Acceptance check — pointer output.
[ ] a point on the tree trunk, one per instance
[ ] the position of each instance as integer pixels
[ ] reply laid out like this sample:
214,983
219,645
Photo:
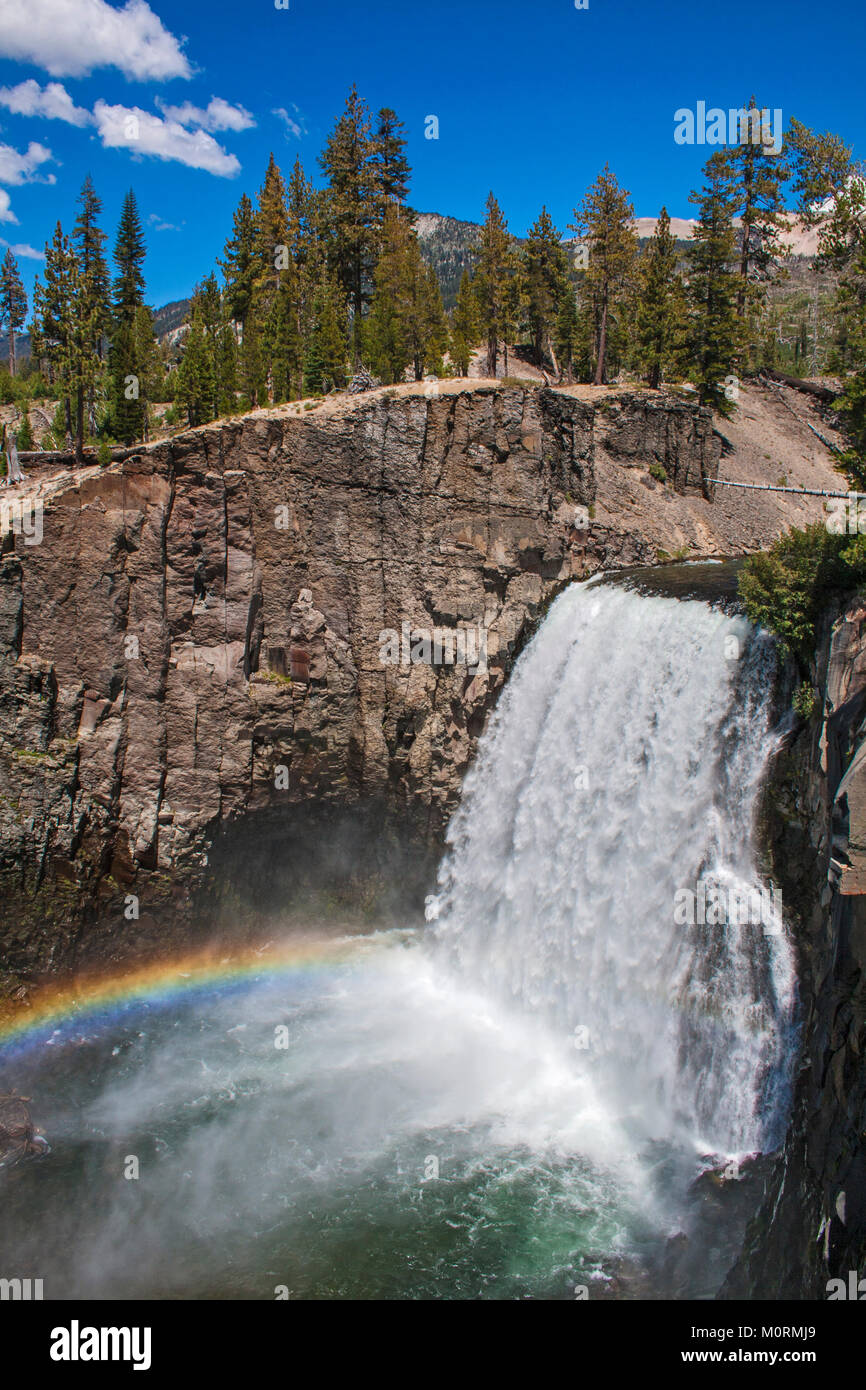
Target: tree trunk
598,379
492,354
79,425
11,350
554,361
744,271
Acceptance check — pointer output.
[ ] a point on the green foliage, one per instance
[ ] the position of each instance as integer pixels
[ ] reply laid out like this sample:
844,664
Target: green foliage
714,327
660,308
544,283
464,326
103,453
657,471
128,342
805,700
13,302
25,433
497,266
604,221
786,588
406,326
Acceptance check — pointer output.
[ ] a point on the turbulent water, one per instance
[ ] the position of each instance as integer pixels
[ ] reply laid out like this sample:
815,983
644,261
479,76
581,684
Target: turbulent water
512,1102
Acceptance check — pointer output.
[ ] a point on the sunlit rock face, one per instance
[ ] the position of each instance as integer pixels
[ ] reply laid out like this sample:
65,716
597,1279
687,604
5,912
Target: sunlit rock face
203,633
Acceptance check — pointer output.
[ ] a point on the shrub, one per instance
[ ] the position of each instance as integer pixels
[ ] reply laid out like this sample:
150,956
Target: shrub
25,434
786,588
805,700
658,471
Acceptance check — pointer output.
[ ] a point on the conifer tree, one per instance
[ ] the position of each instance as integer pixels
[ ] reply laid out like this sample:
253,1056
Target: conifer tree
125,361
54,313
659,309
347,162
307,256
88,241
13,302
567,334
496,266
604,221
196,387
389,165
544,272
406,327
251,368
464,326
326,349
238,262
755,179
713,286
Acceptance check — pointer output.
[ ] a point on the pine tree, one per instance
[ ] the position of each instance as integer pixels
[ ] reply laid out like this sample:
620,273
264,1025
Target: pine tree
389,165
464,326
13,302
713,286
88,241
238,263
406,326
307,256
496,266
604,221
212,309
326,349
251,369
567,335
273,273
347,162
755,179
25,432
658,316
54,313
196,387
125,363
544,273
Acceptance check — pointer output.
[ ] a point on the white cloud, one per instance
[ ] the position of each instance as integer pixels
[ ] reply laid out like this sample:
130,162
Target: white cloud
69,38
159,223
217,115
26,252
140,132
294,127
16,168
6,213
52,101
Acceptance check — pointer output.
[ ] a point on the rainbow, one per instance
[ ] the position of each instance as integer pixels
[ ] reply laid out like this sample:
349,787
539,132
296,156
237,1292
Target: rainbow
61,1009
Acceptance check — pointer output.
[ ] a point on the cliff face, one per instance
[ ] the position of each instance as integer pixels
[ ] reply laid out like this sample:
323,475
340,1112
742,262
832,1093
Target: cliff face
202,635
228,630
812,1224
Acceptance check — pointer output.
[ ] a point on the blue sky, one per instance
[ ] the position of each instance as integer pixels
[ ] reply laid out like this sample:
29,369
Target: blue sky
531,99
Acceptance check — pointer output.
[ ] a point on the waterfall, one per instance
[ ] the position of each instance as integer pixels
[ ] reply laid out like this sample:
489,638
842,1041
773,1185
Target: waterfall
514,1102
618,779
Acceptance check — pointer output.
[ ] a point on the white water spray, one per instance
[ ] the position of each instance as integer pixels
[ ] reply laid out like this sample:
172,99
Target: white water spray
622,765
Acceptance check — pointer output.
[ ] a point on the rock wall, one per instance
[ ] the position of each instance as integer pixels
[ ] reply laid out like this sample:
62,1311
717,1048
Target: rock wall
202,637
812,1224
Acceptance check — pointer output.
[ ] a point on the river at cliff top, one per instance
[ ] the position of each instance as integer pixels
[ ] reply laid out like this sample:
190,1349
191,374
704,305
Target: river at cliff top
516,1101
